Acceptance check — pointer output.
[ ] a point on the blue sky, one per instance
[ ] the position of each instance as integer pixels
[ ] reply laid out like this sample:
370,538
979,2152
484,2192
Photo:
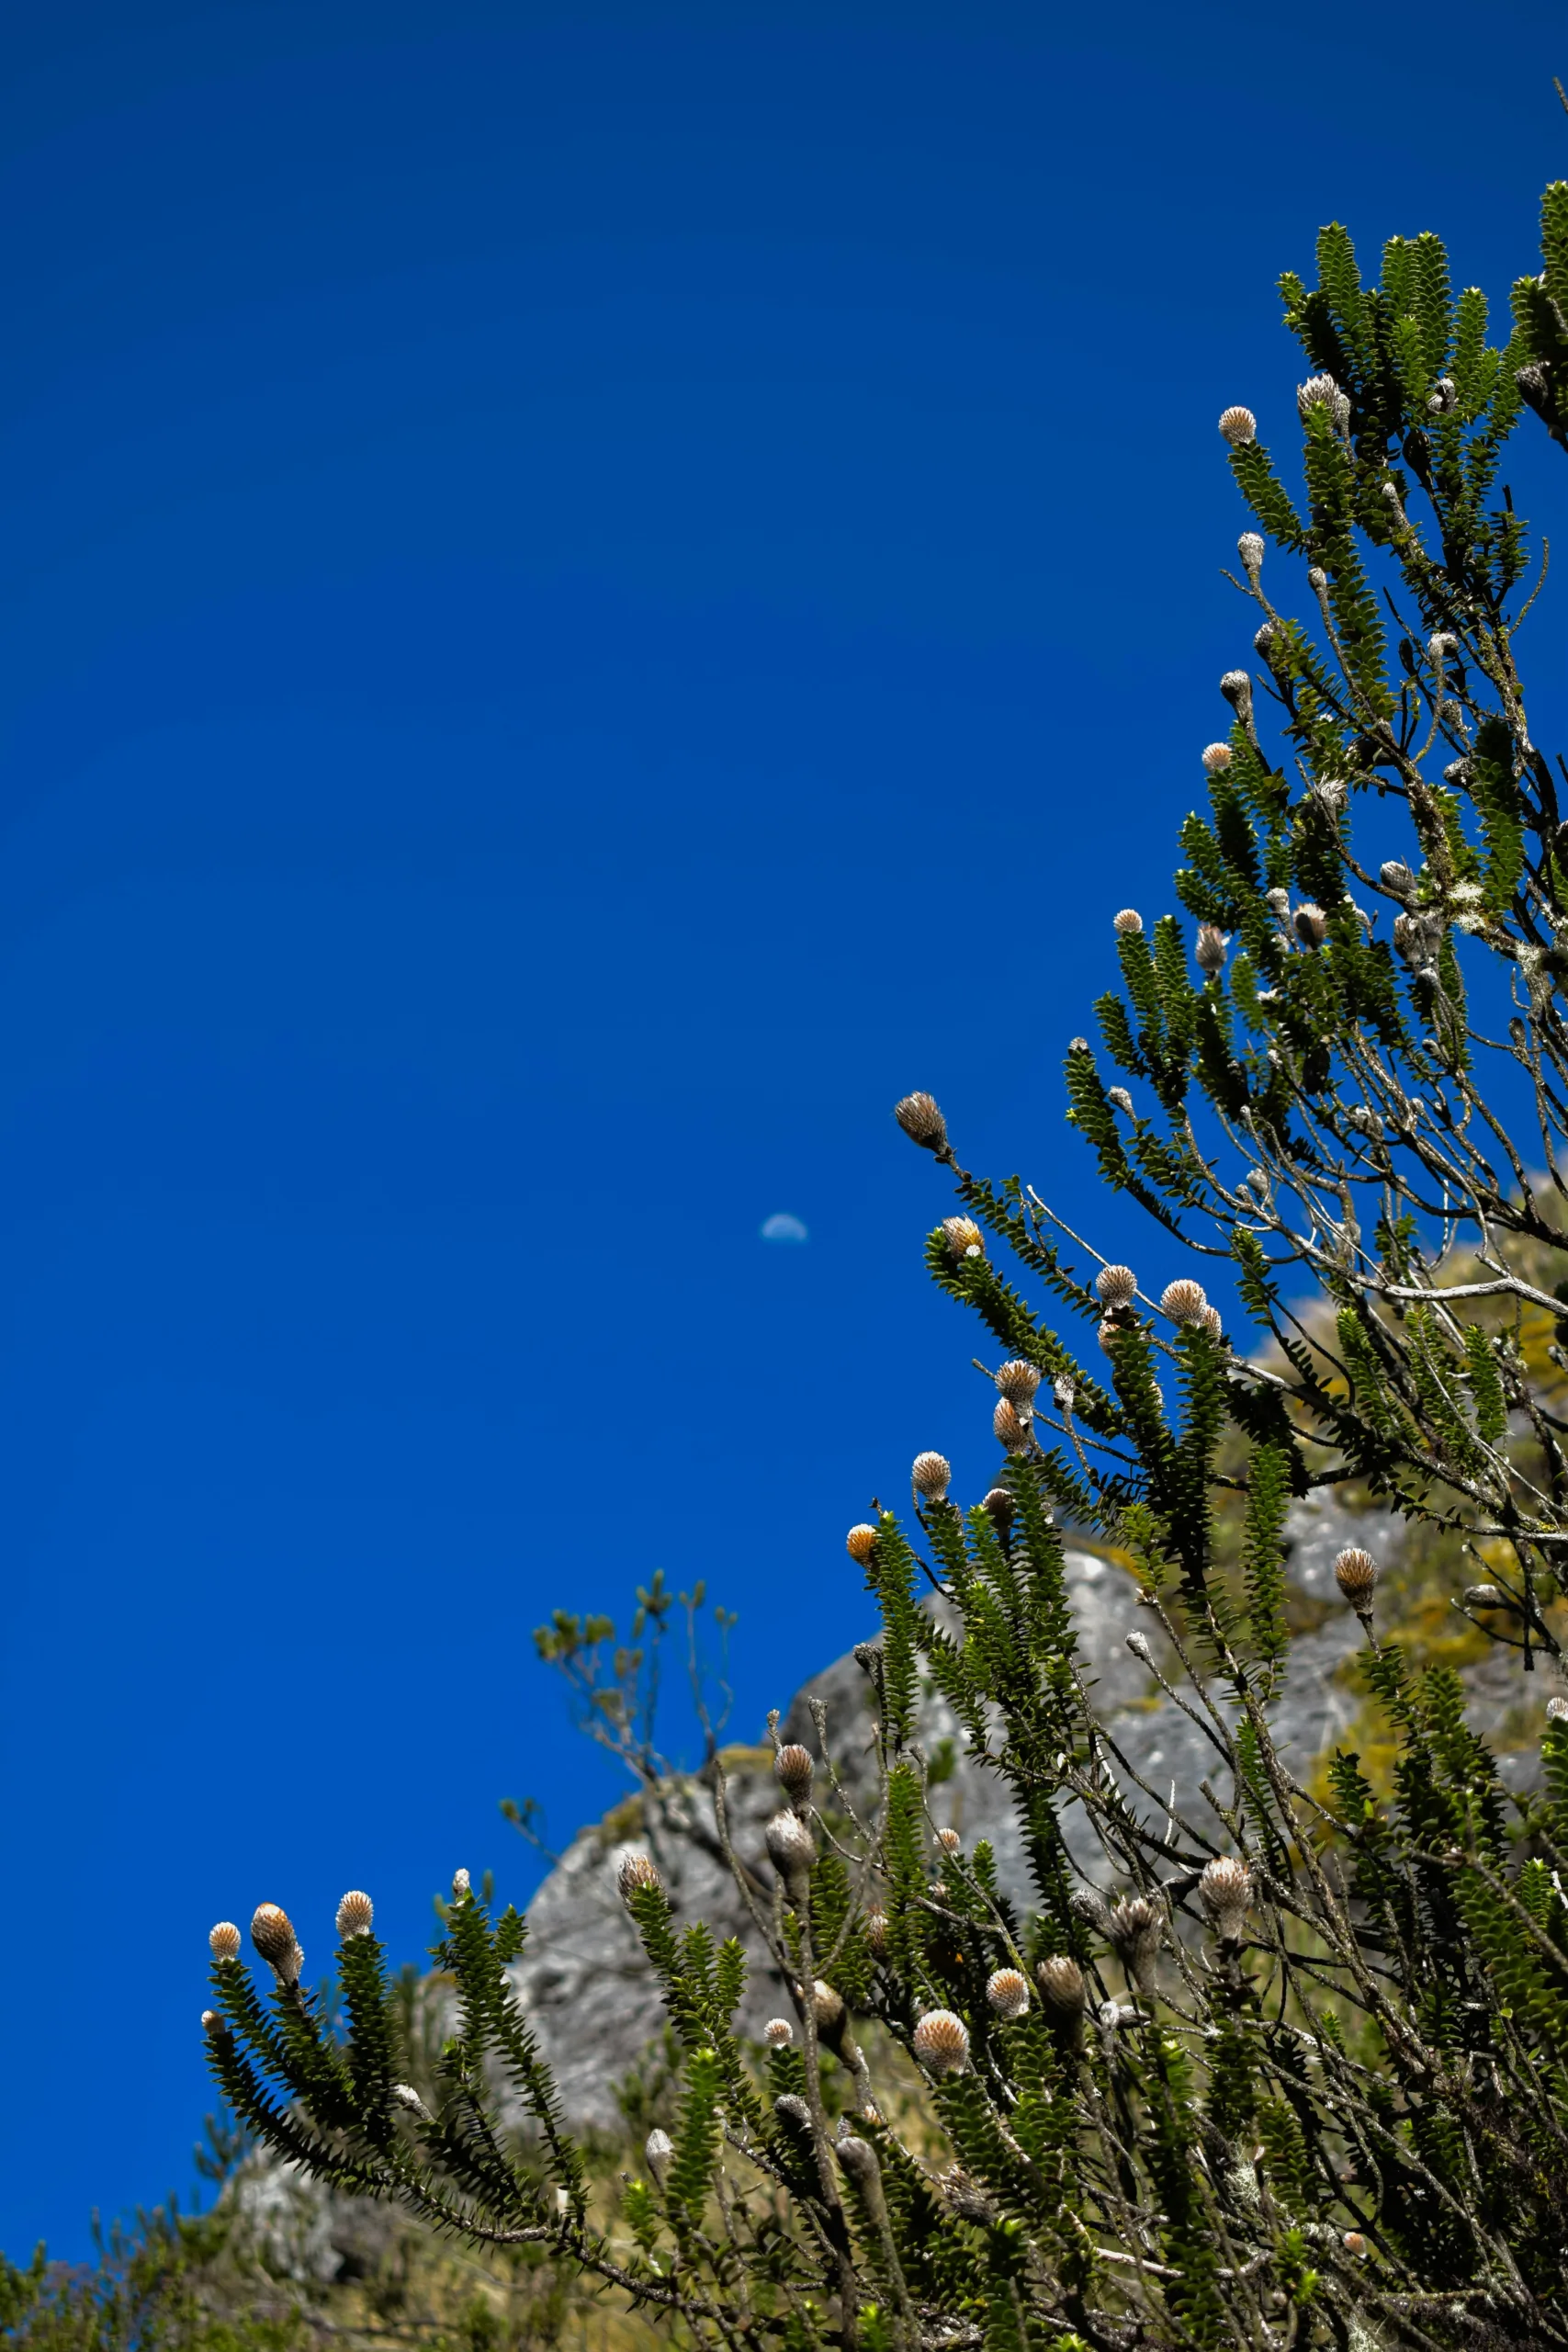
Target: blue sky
589,595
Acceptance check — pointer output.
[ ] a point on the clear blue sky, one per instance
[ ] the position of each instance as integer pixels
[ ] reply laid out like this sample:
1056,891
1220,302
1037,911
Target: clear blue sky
589,593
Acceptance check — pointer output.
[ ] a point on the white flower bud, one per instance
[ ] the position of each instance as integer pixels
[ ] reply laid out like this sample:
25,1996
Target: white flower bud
778,2033
658,2150
1128,923
1116,1286
1239,426
1216,758
932,1476
1007,1992
355,1915
941,2042
225,1941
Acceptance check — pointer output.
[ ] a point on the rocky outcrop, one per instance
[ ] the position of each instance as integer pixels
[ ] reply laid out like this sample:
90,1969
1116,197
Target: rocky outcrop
582,1976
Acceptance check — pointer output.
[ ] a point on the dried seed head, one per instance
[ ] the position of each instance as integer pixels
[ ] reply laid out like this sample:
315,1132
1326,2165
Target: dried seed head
964,1238
792,1769
656,2151
355,1915
1018,1380
1356,1574
1410,937
1011,1428
1485,1596
1443,398
1251,549
1439,646
1239,426
998,1508
789,2108
1312,924
1277,902
921,1122
1210,948
1119,1096
1116,1286
1139,1646
941,2042
948,1840
225,1941
1556,1709
1065,1392
931,1476
1225,1890
1317,579
1183,1301
635,1873
861,1542
406,2096
1128,923
214,2025
877,1934
272,1932
1395,876
1216,758
1086,1902
778,2033
1007,1992
1236,688
462,1885
1266,643
1061,1984
792,1849
830,2013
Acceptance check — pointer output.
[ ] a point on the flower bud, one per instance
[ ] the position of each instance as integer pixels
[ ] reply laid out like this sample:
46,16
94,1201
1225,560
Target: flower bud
948,1840
1312,924
355,1915
1239,426
859,2160
1139,1646
1443,398
1236,688
941,2042
1019,1380
1216,758
877,1934
861,1542
406,2096
1556,1709
1277,902
462,1885
225,1941
792,1769
1317,579
1356,1574
1485,1596
778,2033
1210,948
964,1238
1108,1335
792,1849
1007,1992
1354,2244
1133,1926
1116,1286
1064,1393
1225,1891
1211,1321
1268,643
998,1507
1011,1430
1119,1096
921,1122
832,2018
1409,937
635,1873
658,2151
1251,549
1183,1301
1061,1984
931,1476
1128,924
793,2110
273,1935
214,2025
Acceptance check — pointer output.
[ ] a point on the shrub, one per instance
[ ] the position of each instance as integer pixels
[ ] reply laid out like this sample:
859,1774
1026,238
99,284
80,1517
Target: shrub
1294,2067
